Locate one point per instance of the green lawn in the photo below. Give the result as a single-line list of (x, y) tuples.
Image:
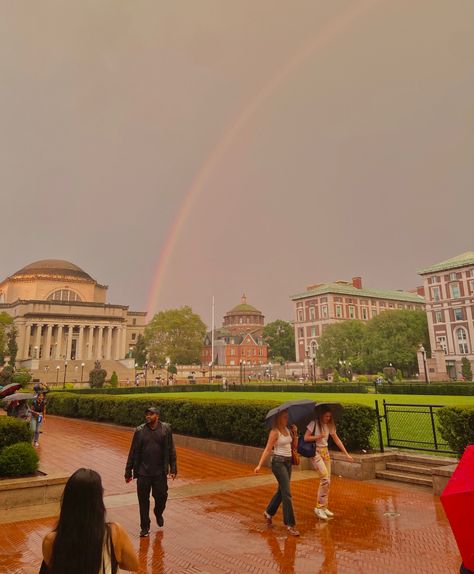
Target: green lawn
[(362, 399)]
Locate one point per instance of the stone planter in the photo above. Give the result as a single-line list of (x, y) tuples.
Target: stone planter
[(32, 490)]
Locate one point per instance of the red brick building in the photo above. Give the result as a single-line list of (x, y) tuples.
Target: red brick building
[(239, 340)]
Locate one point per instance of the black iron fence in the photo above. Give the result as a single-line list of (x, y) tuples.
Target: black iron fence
[(410, 426)]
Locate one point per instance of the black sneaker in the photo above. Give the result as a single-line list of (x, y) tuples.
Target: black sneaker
[(160, 520), (144, 532)]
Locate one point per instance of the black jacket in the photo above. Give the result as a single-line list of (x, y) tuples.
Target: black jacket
[(169, 452)]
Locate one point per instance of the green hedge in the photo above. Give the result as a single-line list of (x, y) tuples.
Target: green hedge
[(234, 421), (453, 389), (293, 388), (456, 426), (18, 459), (13, 430)]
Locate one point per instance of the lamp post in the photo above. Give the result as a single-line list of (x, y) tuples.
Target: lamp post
[(135, 367), (82, 371), (210, 372), (241, 367), (57, 373), (146, 373), (270, 371), (423, 353), (168, 363), (65, 371)]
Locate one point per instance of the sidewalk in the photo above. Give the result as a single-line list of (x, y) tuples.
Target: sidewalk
[(214, 523)]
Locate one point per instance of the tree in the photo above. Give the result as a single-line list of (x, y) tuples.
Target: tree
[(393, 337), (12, 345), (177, 334), (280, 338), (5, 322), (466, 369), (344, 341), (97, 376), (139, 352), (114, 379)]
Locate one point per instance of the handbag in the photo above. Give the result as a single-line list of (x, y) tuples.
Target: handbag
[(295, 457), (306, 448)]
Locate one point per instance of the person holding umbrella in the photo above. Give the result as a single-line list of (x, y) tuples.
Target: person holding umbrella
[(318, 431), (281, 441)]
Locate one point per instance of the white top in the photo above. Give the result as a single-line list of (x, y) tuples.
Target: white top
[(283, 444), (320, 430)]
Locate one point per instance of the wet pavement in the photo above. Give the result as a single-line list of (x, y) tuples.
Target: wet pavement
[(214, 522)]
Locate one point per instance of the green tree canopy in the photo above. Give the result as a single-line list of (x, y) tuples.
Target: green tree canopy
[(140, 351), (177, 334), (344, 341), (394, 337), (280, 338), (5, 322)]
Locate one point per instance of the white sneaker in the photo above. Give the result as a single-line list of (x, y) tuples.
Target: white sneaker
[(328, 513), (37, 444), (320, 513)]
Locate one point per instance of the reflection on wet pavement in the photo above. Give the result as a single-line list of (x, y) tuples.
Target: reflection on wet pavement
[(378, 527)]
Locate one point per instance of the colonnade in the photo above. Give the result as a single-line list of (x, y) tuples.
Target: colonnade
[(72, 341)]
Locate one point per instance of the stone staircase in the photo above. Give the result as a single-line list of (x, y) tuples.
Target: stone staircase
[(414, 468)]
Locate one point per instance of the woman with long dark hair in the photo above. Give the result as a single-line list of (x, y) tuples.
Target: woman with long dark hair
[(281, 440), (83, 542)]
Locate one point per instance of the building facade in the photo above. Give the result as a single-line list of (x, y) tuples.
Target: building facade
[(327, 303), (61, 315), (449, 293), (239, 340)]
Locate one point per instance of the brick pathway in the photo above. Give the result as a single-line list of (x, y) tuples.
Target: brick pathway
[(214, 517)]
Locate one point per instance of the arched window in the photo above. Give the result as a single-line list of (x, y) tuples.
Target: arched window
[(463, 345), (64, 295)]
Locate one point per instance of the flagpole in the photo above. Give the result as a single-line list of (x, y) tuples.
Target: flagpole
[(212, 329)]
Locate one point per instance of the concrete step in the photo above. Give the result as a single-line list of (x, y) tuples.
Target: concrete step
[(424, 459), (409, 467), (406, 477)]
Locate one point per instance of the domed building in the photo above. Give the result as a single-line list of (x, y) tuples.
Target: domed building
[(65, 323), (239, 340)]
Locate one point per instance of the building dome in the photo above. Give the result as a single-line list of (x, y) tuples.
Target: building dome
[(244, 307), (53, 268), (244, 318)]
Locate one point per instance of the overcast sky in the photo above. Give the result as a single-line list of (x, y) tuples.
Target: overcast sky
[(344, 133)]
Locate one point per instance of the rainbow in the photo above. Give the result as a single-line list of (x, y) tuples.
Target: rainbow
[(243, 117)]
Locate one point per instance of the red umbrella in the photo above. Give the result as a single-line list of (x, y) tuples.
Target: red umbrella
[(458, 503), (9, 390)]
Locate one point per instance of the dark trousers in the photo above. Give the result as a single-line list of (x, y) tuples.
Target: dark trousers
[(158, 486), (282, 472)]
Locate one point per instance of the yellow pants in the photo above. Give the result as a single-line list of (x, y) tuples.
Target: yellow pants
[(322, 464)]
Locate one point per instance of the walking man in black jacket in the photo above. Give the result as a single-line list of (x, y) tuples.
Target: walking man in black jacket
[(152, 458)]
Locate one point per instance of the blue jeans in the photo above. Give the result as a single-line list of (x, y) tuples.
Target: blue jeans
[(35, 427), (282, 472)]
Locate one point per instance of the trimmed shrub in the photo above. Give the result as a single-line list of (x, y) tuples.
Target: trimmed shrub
[(12, 431), (456, 425), (453, 389), (21, 377), (18, 459), (114, 380), (97, 376), (239, 421), (466, 369)]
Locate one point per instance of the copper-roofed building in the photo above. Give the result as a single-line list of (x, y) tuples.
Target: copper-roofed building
[(326, 303), (239, 339), (449, 289)]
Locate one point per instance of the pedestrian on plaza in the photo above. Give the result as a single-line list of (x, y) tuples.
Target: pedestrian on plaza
[(152, 458), (83, 542), (38, 414), (318, 431), (281, 441), (22, 410)]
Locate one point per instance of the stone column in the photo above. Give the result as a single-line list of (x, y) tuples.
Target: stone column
[(26, 343), (37, 349), (47, 347), (90, 342), (117, 342), (80, 343), (108, 345), (69, 343), (59, 340), (99, 353), (123, 346)]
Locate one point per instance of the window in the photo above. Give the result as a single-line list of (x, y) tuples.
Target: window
[(373, 302), (134, 322), (365, 313), (301, 332), (338, 311), (390, 305), (134, 336), (324, 311), (313, 331), (64, 295), (458, 314), (435, 293), (438, 318), (441, 341), (455, 292), (461, 336), (312, 314), (471, 285), (300, 315), (453, 276), (382, 303), (374, 312), (232, 352), (351, 312)]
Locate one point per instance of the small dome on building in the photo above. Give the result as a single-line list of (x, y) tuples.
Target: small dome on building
[(244, 317)]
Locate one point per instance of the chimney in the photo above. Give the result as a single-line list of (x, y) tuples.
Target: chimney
[(420, 290), (357, 282)]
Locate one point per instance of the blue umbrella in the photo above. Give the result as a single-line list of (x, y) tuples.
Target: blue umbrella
[(299, 412)]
